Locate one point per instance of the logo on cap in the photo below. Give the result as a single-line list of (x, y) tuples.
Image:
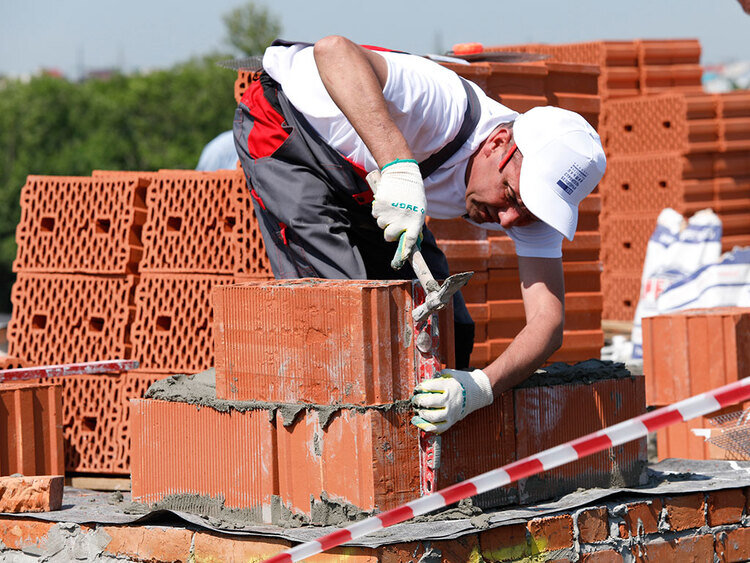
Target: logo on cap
[(572, 178)]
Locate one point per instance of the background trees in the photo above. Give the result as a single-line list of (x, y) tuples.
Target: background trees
[(162, 119)]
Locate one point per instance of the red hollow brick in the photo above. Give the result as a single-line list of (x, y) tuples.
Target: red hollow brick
[(565, 412), (61, 318), (481, 442), (31, 439), (191, 222), (173, 327), (96, 420), (366, 459), (315, 341), (178, 448), (81, 225), (690, 352)]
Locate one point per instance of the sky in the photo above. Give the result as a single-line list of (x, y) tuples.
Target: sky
[(74, 36)]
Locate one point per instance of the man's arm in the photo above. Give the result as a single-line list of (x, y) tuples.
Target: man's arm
[(543, 291), (354, 78), (441, 402)]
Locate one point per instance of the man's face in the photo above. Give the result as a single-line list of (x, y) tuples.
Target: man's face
[(492, 191)]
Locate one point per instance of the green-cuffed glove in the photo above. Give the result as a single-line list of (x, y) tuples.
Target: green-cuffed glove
[(399, 205), (444, 400)]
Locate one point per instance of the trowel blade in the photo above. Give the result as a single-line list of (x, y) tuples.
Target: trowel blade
[(437, 300)]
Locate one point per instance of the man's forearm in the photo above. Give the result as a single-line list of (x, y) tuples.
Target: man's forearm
[(354, 78)]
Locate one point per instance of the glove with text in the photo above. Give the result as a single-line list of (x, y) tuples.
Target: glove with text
[(444, 400), (399, 205)]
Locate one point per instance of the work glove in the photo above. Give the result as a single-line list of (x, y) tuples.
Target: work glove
[(444, 400), (399, 205)]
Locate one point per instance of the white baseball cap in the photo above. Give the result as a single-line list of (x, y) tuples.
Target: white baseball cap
[(563, 161)]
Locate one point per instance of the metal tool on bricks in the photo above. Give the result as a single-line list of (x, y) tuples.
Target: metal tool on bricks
[(614, 435), (83, 368), (428, 365)]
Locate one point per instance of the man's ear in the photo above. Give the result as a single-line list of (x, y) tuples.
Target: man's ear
[(500, 138)]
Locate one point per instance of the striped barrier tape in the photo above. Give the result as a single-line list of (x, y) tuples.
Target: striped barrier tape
[(84, 368), (614, 435)]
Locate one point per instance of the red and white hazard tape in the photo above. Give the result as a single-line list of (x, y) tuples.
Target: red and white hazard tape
[(626, 431), (104, 366)]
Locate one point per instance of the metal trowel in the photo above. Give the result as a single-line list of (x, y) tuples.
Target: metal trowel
[(436, 296)]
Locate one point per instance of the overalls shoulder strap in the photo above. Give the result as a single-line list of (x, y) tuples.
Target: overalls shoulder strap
[(471, 118)]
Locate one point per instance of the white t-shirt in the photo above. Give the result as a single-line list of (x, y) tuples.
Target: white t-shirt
[(427, 102)]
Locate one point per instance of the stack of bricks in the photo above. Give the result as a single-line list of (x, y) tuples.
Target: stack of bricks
[(120, 265), (630, 68), (691, 352), (668, 144), (684, 151), (312, 385), (79, 246)]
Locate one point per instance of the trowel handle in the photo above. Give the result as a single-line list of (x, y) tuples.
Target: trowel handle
[(423, 272)]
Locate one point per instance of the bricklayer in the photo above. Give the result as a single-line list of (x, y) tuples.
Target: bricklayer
[(173, 327), (694, 351), (61, 318), (31, 441), (96, 420), (282, 341), (81, 225)]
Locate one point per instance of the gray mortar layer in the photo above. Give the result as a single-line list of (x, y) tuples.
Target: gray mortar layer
[(200, 390)]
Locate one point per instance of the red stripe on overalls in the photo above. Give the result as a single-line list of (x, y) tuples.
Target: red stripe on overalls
[(267, 133)]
